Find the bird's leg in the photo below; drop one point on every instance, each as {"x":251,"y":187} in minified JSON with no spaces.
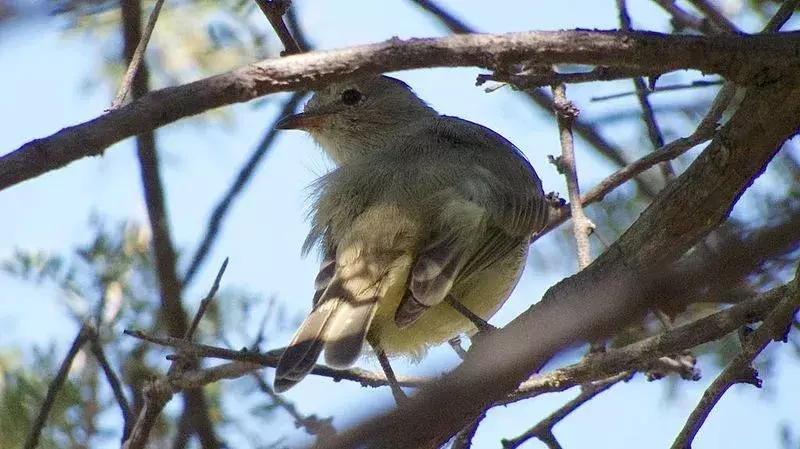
{"x":397,"y":392}
{"x":479,"y":322}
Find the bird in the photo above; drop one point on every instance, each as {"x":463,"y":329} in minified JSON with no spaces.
{"x":420,"y":213}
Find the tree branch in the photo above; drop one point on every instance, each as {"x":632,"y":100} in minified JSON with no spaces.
{"x":740,"y":369}
{"x":638,"y":356}
{"x":137,"y":56}
{"x":270,"y":359}
{"x":32,"y":440}
{"x":116,"y":385}
{"x":642,"y":94}
{"x":274,"y":11}
{"x":581,"y":226}
{"x":544,"y":429}
{"x":714,"y":16}
{"x":744,"y":58}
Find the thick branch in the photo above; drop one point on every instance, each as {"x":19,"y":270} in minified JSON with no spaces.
{"x":746,"y":59}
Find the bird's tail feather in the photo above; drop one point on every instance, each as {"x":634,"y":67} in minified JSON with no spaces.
{"x":339,"y":324}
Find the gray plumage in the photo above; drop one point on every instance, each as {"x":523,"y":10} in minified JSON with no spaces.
{"x":421,"y":206}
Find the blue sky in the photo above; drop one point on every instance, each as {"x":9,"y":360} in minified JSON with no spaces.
{"x":41,"y":91}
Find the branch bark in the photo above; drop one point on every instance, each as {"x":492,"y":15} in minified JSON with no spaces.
{"x":743,"y":58}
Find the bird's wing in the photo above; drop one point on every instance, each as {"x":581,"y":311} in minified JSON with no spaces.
{"x":496,"y":189}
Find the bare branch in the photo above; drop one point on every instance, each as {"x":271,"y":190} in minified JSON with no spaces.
{"x":158,"y":392}
{"x":740,"y":369}
{"x":274,"y":11}
{"x":693,"y":85}
{"x":137,"y":57}
{"x":450,"y":21}
{"x":189,"y":335}
{"x":782,"y":16}
{"x":714,"y":16}
{"x":116,"y":385}
{"x":743,"y":58}
{"x":544,"y":429}
{"x":156,"y":395}
{"x":705,"y":130}
{"x":682,"y":19}
{"x":581,"y":226}
{"x":32,"y":440}
{"x":642,"y":92}
{"x":530,"y":79}
{"x":270,"y":359}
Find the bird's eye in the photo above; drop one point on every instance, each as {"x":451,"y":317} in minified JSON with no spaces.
{"x":351,"y":97}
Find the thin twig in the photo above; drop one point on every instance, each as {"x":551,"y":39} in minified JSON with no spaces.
{"x":782,"y":16}
{"x":319,"y":427}
{"x":270,"y":359}
{"x":581,"y":226}
{"x":198,"y":378}
{"x":397,"y":392}
{"x":683,"y":19}
{"x":642,"y":355}
{"x":456,"y":25}
{"x":159,"y":391}
{"x":714,"y":16}
{"x":740,"y":369}
{"x":704,"y":131}
{"x":530,"y":79}
{"x":660,"y":89}
{"x":642,"y":94}
{"x":138,"y":55}
{"x":544,"y":429}
{"x":296,"y":31}
{"x":236,"y":189}
{"x":32,"y":440}
{"x":116,"y":385}
{"x":205,"y":302}
{"x":274,"y":11}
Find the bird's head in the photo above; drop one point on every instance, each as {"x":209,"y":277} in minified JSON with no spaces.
{"x":355,"y":117}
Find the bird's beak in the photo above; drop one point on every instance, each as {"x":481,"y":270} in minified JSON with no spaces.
{"x":303,"y":120}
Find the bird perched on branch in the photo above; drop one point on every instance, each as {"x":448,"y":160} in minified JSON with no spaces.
{"x":423,"y":215}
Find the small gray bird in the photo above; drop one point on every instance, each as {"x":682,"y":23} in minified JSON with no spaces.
{"x":421,"y":206}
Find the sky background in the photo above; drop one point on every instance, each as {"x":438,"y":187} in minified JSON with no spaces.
{"x":43,"y":87}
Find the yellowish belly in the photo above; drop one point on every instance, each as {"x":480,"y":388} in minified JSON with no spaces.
{"x":483,"y":293}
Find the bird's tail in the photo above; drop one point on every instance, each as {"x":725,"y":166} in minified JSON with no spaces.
{"x":338,"y":324}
